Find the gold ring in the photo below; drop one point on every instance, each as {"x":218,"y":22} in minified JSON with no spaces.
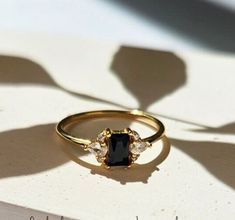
{"x":114,"y":147}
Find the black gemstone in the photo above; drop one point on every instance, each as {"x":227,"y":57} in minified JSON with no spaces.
{"x":118,"y":153}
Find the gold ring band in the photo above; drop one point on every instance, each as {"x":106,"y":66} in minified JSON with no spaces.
{"x":114,"y":147}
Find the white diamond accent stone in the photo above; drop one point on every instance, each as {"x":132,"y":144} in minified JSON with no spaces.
{"x":101,"y":137}
{"x":138,"y":147}
{"x":96,"y":149}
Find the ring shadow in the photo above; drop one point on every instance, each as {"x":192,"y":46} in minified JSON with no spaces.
{"x":137,"y":172}
{"x":90,"y":129}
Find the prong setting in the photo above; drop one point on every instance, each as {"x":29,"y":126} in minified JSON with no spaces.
{"x":100,"y":146}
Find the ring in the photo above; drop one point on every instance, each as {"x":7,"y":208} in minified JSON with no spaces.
{"x":114,"y":147}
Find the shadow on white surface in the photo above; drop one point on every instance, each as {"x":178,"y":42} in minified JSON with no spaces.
{"x":29,"y":150}
{"x":149,"y":76}
{"x":224,"y":129}
{"x":21,"y":71}
{"x":218,"y":158}
{"x":203,"y":23}
{"x":137,"y":172}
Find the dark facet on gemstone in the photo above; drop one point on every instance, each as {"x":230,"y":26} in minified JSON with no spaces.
{"x":118,"y":153}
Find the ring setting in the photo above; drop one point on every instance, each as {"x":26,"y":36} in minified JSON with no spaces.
{"x":113,"y":148}
{"x":117,"y":147}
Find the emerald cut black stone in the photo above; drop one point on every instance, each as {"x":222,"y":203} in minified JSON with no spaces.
{"x":118,"y":153}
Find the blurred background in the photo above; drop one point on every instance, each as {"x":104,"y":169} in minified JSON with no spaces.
{"x":181,"y":24}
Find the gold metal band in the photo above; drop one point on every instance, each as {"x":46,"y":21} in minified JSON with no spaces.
{"x":134,"y":115}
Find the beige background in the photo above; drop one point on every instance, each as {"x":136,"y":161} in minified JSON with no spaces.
{"x":45,"y":78}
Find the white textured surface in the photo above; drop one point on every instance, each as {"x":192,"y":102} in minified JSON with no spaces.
{"x":192,"y":92}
